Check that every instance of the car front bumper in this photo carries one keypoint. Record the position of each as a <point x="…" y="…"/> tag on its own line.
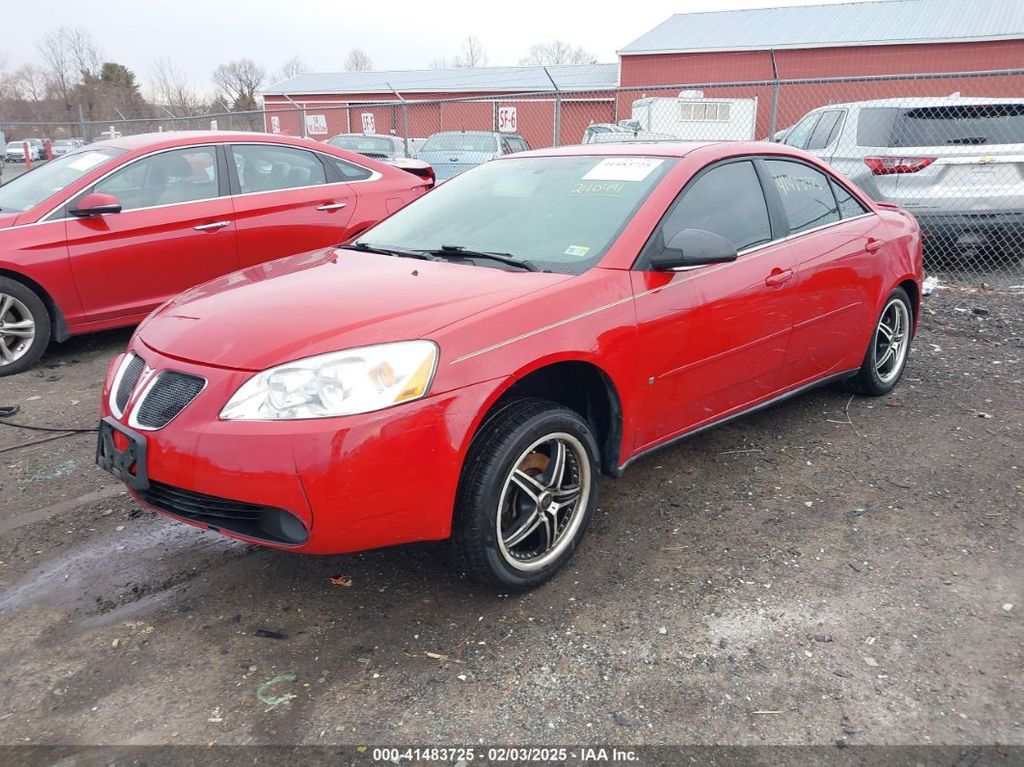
<point x="331" y="485"/>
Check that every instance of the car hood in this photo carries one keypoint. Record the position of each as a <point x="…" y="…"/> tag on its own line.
<point x="325" y="301"/>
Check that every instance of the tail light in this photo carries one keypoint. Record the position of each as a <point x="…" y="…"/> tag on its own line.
<point x="887" y="166"/>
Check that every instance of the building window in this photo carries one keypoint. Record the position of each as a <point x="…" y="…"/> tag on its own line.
<point x="704" y="111"/>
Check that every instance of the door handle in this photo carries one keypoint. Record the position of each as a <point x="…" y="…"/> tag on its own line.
<point x="211" y="227"/>
<point x="331" y="206"/>
<point x="778" y="277"/>
<point x="872" y="245"/>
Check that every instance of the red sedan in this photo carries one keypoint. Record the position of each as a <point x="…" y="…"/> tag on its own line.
<point x="466" y="368"/>
<point x="98" y="238"/>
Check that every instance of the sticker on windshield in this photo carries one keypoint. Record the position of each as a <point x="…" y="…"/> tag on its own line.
<point x="579" y="251"/>
<point x="622" y="169"/>
<point x="87" y="161"/>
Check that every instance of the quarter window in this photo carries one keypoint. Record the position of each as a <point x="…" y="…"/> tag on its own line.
<point x="849" y="205"/>
<point x="726" y="200"/>
<point x="807" y="198"/>
<point x="268" y="167"/>
<point x="180" y="175"/>
<point x="347" y="170"/>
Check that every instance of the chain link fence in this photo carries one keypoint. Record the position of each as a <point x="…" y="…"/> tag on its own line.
<point x="949" y="148"/>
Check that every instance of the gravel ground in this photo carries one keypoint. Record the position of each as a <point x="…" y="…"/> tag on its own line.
<point x="829" y="569"/>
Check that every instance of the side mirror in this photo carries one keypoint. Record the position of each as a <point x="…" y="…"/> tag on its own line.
<point x="96" y="204"/>
<point x="693" y="247"/>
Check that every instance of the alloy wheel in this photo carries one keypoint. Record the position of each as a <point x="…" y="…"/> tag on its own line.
<point x="543" y="501"/>
<point x="17" y="329"/>
<point x="892" y="339"/>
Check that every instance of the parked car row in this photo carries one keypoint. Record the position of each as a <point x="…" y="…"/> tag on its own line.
<point x="15" y="150"/>
<point x="449" y="153"/>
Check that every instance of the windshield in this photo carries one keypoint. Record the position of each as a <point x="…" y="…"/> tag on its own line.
<point x="966" y="124"/>
<point x="28" y="190"/>
<point x="460" y="142"/>
<point x="561" y="213"/>
<point x="364" y="144"/>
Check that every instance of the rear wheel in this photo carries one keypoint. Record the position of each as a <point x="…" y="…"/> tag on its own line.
<point x="24" y="327"/>
<point x="886" y="357"/>
<point x="527" y="490"/>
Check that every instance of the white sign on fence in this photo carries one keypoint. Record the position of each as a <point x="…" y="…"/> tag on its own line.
<point x="507" y="120"/>
<point x="368" y="124"/>
<point x="316" y="125"/>
<point x="275" y="124"/>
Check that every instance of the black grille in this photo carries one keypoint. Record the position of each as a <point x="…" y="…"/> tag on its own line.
<point x="128" y="381"/>
<point x="168" y="397"/>
<point x="261" y="522"/>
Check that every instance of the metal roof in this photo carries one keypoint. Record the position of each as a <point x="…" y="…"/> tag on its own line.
<point x="889" y="22"/>
<point x="506" y="79"/>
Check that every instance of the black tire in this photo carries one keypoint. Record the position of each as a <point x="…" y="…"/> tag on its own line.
<point x="506" y="441"/>
<point x="39" y="315"/>
<point x="870" y="380"/>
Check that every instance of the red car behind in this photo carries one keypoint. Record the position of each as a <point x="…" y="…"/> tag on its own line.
<point x="100" y="237"/>
<point x="468" y="367"/>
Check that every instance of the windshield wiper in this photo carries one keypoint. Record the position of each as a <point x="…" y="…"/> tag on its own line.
<point x="458" y="251"/>
<point x="386" y="250"/>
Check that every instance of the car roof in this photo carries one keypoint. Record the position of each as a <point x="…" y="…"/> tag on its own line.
<point x="471" y="133"/>
<point x="625" y="149"/>
<point x="922" y="101"/>
<point x="178" y="138"/>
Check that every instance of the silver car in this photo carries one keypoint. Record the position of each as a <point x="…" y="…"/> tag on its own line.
<point x="452" y="152"/>
<point x="956" y="163"/>
<point x="375" y="145"/>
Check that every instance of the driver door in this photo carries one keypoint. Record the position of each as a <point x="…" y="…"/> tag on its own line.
<point x="713" y="338"/>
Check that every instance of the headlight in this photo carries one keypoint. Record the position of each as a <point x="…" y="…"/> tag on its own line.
<point x="340" y="383"/>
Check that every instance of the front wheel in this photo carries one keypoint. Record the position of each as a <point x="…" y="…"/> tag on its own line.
<point x="24" y="327"/>
<point x="886" y="357"/>
<point x="526" y="494"/>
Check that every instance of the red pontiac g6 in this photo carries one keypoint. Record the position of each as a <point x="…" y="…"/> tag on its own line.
<point x="98" y="238"/>
<point x="468" y="367"/>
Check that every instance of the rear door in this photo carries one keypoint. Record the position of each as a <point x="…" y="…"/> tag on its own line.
<point x="174" y="231"/>
<point x="839" y="248"/>
<point x="713" y="338"/>
<point x="289" y="200"/>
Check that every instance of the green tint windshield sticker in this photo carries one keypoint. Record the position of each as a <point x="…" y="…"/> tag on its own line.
<point x="577" y="250"/>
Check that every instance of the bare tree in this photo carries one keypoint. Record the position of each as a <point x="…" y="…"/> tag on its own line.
<point x="173" y="91"/>
<point x="292" y="67"/>
<point x="84" y="54"/>
<point x="556" y="52"/>
<point x="472" y="55"/>
<point x="239" y="81"/>
<point x="358" y="61"/>
<point x="441" y="63"/>
<point x="60" y="63"/>
<point x="29" y="83"/>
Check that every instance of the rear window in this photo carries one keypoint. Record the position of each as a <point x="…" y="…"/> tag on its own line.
<point x="959" y="125"/>
<point x="460" y="142"/>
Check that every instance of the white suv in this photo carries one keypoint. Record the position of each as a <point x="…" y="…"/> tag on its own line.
<point x="956" y="163"/>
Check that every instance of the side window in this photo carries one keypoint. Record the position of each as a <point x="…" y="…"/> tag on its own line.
<point x="807" y="198"/>
<point x="801" y="131"/>
<point x="726" y="200"/>
<point x="506" y="146"/>
<point x="349" y="171"/>
<point x="180" y="175"/>
<point x="849" y="205"/>
<point x="825" y="131"/>
<point x="266" y="167"/>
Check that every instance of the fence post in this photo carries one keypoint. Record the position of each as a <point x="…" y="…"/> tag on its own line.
<point x="775" y="99"/>
<point x="556" y="139"/>
<point x="405" y="118"/>
<point x="81" y="124"/>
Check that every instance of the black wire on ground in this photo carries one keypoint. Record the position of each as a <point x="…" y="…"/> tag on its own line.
<point x="6" y="411"/>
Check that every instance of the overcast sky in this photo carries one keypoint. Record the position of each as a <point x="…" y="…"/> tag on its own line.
<point x="397" y="34"/>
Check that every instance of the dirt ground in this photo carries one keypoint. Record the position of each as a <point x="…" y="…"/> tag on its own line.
<point x="831" y="568"/>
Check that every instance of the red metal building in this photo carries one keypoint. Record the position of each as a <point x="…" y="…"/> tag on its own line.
<point x="856" y="40"/>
